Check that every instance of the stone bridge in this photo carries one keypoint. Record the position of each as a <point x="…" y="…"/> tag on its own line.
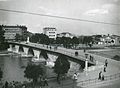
<point x="35" y="49"/>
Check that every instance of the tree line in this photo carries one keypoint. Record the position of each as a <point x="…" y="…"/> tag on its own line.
<point x="67" y="42"/>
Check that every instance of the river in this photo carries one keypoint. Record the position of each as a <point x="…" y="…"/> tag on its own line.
<point x="13" y="67"/>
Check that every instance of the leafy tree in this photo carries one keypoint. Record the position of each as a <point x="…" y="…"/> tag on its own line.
<point x="66" y="41"/>
<point x="3" y="44"/>
<point x="58" y="40"/>
<point x="2" y="38"/>
<point x="17" y="37"/>
<point x="75" y="41"/>
<point x="40" y="38"/>
<point x="34" y="71"/>
<point x="87" y="40"/>
<point x="62" y="65"/>
<point x="1" y="74"/>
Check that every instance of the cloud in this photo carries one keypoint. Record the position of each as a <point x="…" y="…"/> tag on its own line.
<point x="3" y="0"/>
<point x="96" y="11"/>
<point x="105" y="9"/>
<point x="49" y="11"/>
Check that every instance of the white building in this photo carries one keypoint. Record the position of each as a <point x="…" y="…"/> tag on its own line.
<point x="50" y="32"/>
<point x="65" y="34"/>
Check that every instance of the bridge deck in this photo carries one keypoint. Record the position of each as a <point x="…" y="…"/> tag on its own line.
<point x="53" y="50"/>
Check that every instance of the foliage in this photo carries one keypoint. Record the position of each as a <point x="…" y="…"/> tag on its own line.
<point x="34" y="71"/>
<point x="62" y="65"/>
<point x="1" y="74"/>
<point x="2" y="38"/>
<point x="75" y="41"/>
<point x="3" y="44"/>
<point x="40" y="38"/>
<point x="19" y="37"/>
<point x="116" y="57"/>
<point x="87" y="40"/>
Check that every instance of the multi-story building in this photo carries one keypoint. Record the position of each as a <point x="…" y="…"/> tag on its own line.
<point x="11" y="31"/>
<point x="50" y="32"/>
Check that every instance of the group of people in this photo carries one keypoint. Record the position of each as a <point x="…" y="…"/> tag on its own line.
<point x="101" y="75"/>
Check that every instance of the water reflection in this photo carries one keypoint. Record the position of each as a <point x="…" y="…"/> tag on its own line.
<point x="12" y="67"/>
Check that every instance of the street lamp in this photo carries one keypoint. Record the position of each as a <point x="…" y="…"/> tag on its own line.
<point x="86" y="62"/>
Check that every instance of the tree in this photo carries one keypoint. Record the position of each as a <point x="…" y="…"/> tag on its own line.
<point x="2" y="38"/>
<point x="3" y="44"/>
<point x="34" y="71"/>
<point x="87" y="40"/>
<point x="17" y="37"/>
<point x="1" y="74"/>
<point x="62" y="65"/>
<point x="75" y="41"/>
<point x="40" y="38"/>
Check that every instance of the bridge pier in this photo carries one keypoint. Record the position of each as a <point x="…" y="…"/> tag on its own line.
<point x="10" y="48"/>
<point x="17" y="48"/>
<point x="25" y="50"/>
<point x="36" y="53"/>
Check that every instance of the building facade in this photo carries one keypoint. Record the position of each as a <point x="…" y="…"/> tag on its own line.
<point x="65" y="34"/>
<point x="50" y="32"/>
<point x="11" y="31"/>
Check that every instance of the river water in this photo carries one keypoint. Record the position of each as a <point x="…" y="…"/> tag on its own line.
<point x="13" y="67"/>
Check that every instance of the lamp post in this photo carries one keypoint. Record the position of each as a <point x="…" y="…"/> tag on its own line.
<point x="86" y="62"/>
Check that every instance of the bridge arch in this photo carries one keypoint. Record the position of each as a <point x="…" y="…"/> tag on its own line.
<point x="43" y="54"/>
<point x="30" y="51"/>
<point x="21" y="49"/>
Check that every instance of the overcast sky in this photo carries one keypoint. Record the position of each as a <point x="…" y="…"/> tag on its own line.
<point x="94" y="10"/>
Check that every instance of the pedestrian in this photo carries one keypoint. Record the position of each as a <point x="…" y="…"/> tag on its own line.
<point x="100" y="75"/>
<point x="6" y="84"/>
<point x="84" y="50"/>
<point x="45" y="82"/>
<point x="75" y="76"/>
<point x="106" y="62"/>
<point x="104" y="68"/>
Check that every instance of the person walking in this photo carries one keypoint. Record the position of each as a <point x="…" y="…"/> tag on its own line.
<point x="104" y="68"/>
<point x="6" y="84"/>
<point x="100" y="73"/>
<point x="106" y="62"/>
<point x="103" y="77"/>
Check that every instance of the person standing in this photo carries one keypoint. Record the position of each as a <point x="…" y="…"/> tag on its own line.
<point x="6" y="84"/>
<point x="104" y="68"/>
<point x="103" y="77"/>
<point x="100" y="75"/>
<point x="106" y="62"/>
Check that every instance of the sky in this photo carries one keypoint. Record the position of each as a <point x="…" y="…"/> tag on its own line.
<point x="105" y="11"/>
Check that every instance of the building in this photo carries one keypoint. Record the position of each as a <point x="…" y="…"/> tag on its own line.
<point x="107" y="39"/>
<point x="50" y="32"/>
<point x="65" y="34"/>
<point x="11" y="31"/>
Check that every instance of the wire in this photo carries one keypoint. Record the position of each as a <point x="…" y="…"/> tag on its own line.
<point x="77" y="19"/>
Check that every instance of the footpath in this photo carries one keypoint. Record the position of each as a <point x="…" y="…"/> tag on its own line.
<point x="90" y="78"/>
